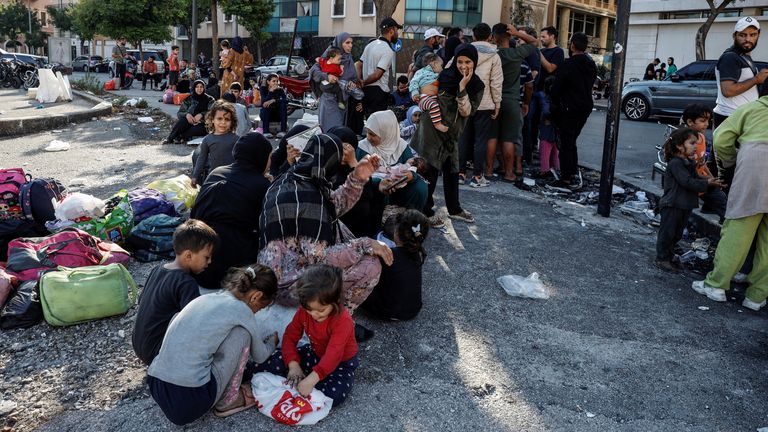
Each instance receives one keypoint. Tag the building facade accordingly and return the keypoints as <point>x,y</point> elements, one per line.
<point>662,29</point>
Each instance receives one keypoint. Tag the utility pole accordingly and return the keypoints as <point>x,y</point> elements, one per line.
<point>194,31</point>
<point>608,167</point>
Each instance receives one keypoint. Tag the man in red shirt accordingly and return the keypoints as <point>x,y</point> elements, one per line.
<point>148,72</point>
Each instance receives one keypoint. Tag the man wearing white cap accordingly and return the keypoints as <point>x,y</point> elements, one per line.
<point>738,80</point>
<point>432,39</point>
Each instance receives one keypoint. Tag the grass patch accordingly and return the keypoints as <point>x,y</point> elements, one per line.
<point>89,83</point>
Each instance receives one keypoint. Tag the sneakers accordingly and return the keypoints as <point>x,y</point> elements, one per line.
<point>740,278</point>
<point>712,293</point>
<point>749,304</point>
<point>436,222</point>
<point>479,182</point>
<point>463,216</point>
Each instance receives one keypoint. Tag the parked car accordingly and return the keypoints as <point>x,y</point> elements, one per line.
<point>160,61</point>
<point>691,84</point>
<point>90,63</point>
<point>277,64</point>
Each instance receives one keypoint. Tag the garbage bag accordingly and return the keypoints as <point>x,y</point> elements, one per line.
<point>77,205</point>
<point>283,403</point>
<point>178,190</point>
<point>23,309</point>
<point>528,287</point>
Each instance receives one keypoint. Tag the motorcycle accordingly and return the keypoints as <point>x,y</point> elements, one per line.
<point>9,76</point>
<point>299,94</point>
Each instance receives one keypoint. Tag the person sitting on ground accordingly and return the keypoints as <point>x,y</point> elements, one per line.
<point>148,73</point>
<point>191,116</point>
<point>243,120</point>
<point>402,98</point>
<point>681,187</point>
<point>329,361</point>
<point>216,148</point>
<point>331,65</point>
<point>201,363</point>
<point>697,117</point>
<point>424,87</point>
<point>170,287</point>
<point>284,155</point>
<point>398,294</point>
<point>230,201</point>
<point>237,90</point>
<point>213,89</point>
<point>410,124</point>
<point>274,103</point>
<point>183,85</point>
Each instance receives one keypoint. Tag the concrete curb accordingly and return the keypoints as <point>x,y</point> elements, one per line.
<point>705,223</point>
<point>22,125</point>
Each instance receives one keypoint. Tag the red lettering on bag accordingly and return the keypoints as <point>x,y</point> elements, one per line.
<point>290,409</point>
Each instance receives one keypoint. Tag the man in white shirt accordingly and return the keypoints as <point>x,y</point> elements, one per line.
<point>376,67</point>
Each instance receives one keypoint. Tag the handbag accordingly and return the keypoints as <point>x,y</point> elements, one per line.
<point>72,296</point>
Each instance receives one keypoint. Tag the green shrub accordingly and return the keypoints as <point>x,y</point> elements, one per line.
<point>142,104</point>
<point>89,83</point>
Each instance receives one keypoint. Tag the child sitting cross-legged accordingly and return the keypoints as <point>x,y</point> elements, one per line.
<point>424,87</point>
<point>170,286</point>
<point>329,362</point>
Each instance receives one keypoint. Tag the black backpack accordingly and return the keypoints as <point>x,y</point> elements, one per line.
<point>37,199</point>
<point>23,308</point>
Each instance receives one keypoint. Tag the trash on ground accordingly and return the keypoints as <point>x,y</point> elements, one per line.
<point>704,308</point>
<point>635,206</point>
<point>101,105</point>
<point>583,223</point>
<point>57,131</point>
<point>145,120</point>
<point>557,189</point>
<point>617,190</point>
<point>687,257</point>
<point>527,287</point>
<point>77,205</point>
<point>529,181</point>
<point>57,145</point>
<point>117,129</point>
<point>132,102</point>
<point>641,196</point>
<point>701,254</point>
<point>196,141</point>
<point>701,244</point>
<point>590,415</point>
<point>41,106</point>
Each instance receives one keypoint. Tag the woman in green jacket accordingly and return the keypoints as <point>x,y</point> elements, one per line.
<point>191,122</point>
<point>459,96</point>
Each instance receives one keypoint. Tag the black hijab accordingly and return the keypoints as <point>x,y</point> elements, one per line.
<point>279,157</point>
<point>252,150</point>
<point>346,135</point>
<point>450,77</point>
<point>298,204</point>
<point>450,47</point>
<point>203,100</point>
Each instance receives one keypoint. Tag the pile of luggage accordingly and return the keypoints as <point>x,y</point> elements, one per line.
<point>62,255</point>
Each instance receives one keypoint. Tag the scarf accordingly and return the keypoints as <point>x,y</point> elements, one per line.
<point>201,100</point>
<point>237,44</point>
<point>345,135</point>
<point>298,204</point>
<point>450,77</point>
<point>384,124</point>
<point>409,115</point>
<point>252,150</point>
<point>450,47</point>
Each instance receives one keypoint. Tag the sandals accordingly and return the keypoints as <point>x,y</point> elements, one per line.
<point>463,216</point>
<point>242,403</point>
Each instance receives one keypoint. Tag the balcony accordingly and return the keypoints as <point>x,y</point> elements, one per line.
<point>605,6</point>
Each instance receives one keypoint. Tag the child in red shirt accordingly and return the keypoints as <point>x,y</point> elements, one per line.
<point>331,65</point>
<point>329,362</point>
<point>697,117</point>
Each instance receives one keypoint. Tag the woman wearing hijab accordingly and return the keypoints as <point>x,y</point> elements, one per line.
<point>299,225</point>
<point>329,114</point>
<point>230,202</point>
<point>213,89</point>
<point>383,139</point>
<point>280,163</point>
<point>410,124</point>
<point>191,122</point>
<point>459,96</point>
<point>235,62</point>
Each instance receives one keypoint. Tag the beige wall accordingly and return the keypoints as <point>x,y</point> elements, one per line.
<point>352,22</point>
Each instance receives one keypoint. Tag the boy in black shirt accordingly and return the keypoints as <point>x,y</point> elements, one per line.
<point>170,287</point>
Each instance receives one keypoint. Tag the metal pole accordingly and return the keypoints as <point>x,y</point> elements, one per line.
<point>614,108</point>
<point>237,32</point>
<point>290,52</point>
<point>194,31</point>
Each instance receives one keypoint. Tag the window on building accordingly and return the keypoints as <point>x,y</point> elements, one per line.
<point>458,13</point>
<point>702,14</point>
<point>338,9</point>
<point>367,8</point>
<point>584,23</point>
<point>43,18</point>
<point>764,12</point>
<point>304,9</point>
<point>227,17</point>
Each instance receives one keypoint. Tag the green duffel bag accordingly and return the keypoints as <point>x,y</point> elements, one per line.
<point>74,295</point>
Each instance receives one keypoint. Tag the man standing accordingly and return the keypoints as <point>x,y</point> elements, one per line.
<point>173,68</point>
<point>650,70</point>
<point>432,39</point>
<point>510,119</point>
<point>551,57</point>
<point>375,66</point>
<point>571,106</point>
<point>119,54</point>
<point>737,80</point>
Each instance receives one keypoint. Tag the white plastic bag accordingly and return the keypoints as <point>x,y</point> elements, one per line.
<point>284,404</point>
<point>77,205</point>
<point>528,287</point>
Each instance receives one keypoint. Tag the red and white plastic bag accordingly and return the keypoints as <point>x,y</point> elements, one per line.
<point>283,403</point>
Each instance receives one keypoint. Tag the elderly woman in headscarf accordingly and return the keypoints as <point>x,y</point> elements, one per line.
<point>329,113</point>
<point>230,202</point>
<point>459,96</point>
<point>299,225</point>
<point>234,65</point>
<point>383,139</point>
<point>191,115</point>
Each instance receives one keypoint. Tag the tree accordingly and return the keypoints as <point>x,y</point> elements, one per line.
<point>701,34</point>
<point>384,8</point>
<point>254,15</point>
<point>16,20</point>
<point>214,14</point>
<point>61,18</point>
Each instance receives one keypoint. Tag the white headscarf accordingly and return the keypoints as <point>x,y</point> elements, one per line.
<point>384,125</point>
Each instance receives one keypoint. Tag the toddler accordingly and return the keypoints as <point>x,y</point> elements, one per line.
<point>216,148</point>
<point>424,87</point>
<point>681,187</point>
<point>331,64</point>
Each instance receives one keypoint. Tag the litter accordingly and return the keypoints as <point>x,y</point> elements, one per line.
<point>700,244</point>
<point>701,254</point>
<point>145,120</point>
<point>617,190</point>
<point>196,141</point>
<point>77,205</point>
<point>132,102</point>
<point>527,287</point>
<point>687,257</point>
<point>635,206</point>
<point>57,131</point>
<point>590,415</point>
<point>641,196</point>
<point>704,308</point>
<point>583,223</point>
<point>41,106</point>
<point>529,182</point>
<point>57,145</point>
<point>117,129</point>
<point>558,189</point>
